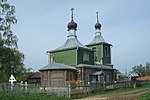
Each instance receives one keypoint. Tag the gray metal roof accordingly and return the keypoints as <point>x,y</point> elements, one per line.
<point>97,39</point>
<point>54,66</point>
<point>99,73</point>
<point>133,74</point>
<point>95,66</point>
<point>122,75</point>
<point>71,43</point>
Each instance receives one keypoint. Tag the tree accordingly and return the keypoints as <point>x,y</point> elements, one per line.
<point>11,60</point>
<point>142,70</point>
<point>138,69</point>
<point>147,68</point>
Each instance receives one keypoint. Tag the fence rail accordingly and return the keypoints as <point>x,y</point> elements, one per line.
<point>68,90</point>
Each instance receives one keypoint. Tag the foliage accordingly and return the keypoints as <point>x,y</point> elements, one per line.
<point>142,70</point>
<point>147,68</point>
<point>29,96</point>
<point>11,60</point>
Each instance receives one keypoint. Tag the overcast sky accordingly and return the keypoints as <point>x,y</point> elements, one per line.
<point>42,26</point>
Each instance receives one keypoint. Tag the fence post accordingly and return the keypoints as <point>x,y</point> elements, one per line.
<point>134,84</point>
<point>104,85</point>
<point>21,84</point>
<point>69,90</point>
<point>89,87</point>
<point>26,84</point>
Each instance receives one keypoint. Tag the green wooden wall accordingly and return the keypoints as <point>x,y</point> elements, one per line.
<point>99,53</point>
<point>67,57</point>
<point>107,59</point>
<point>80,57</point>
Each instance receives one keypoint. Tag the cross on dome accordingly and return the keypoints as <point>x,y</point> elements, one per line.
<point>72,24</point>
<point>72,13</point>
<point>97,25</point>
<point>97,17</point>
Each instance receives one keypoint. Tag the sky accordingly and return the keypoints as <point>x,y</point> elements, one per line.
<point>42,26</point>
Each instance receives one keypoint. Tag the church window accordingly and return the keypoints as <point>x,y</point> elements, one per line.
<point>95,55</point>
<point>85,56</point>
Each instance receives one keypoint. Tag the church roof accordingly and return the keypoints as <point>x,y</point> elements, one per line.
<point>36,75</point>
<point>133,74</point>
<point>97,39</point>
<point>54,66</point>
<point>95,66</point>
<point>99,73</point>
<point>71,43</point>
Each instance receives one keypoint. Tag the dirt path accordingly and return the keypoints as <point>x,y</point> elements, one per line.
<point>119,96</point>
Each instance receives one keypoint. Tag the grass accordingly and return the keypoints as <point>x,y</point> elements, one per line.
<point>113,91</point>
<point>29,96</point>
<point>119,90</point>
<point>145,96</point>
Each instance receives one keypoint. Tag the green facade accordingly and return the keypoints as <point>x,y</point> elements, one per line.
<point>73,57</point>
<point>101,52</point>
<point>107,54</point>
<point>80,57</point>
<point>67,57</point>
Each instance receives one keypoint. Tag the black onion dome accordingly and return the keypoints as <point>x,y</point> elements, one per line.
<point>72,25</point>
<point>98,25</point>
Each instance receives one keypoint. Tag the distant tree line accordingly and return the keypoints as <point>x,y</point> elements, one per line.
<point>142,70</point>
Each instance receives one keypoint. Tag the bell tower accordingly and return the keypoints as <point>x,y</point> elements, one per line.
<point>102,49</point>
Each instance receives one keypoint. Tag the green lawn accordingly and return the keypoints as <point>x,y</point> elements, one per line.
<point>145,96</point>
<point>121,90</point>
<point>113,91</point>
<point>29,96</point>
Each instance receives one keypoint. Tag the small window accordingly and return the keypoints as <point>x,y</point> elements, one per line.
<point>85,56</point>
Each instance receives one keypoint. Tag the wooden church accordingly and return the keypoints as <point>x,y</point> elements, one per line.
<point>75,63</point>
